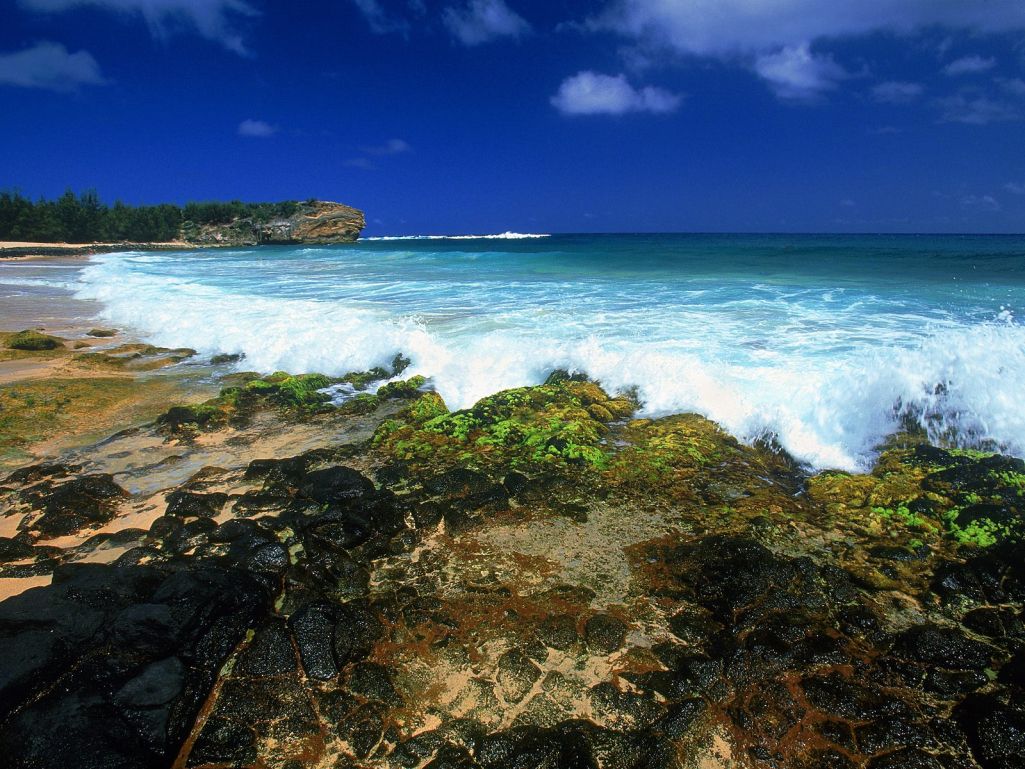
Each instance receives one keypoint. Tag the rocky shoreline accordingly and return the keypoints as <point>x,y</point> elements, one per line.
<point>314,222</point>
<point>269,579</point>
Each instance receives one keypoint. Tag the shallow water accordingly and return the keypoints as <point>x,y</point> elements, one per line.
<point>822,341</point>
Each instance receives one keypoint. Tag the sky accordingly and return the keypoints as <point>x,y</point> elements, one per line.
<point>482,116</point>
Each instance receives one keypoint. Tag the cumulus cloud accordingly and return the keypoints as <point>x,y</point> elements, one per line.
<point>591,93</point>
<point>796,73</point>
<point>480,21</point>
<point>49,66</point>
<point>390,147</point>
<point>256,129</point>
<point>729,27</point>
<point>773,37</point>
<point>897,92</point>
<point>976,109</point>
<point>969,65</point>
<point>215,20</point>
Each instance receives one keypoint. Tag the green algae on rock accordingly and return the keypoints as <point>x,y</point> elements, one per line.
<point>33,341</point>
<point>558,423</point>
<point>431,604</point>
<point>972,497</point>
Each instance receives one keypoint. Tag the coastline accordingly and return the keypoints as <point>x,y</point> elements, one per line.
<point>14,250</point>
<point>384,582</point>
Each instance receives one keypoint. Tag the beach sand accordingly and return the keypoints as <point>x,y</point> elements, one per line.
<point>58,399</point>
<point>26,250</point>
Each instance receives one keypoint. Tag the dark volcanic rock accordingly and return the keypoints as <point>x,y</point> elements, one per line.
<point>191,504</point>
<point>313,627</point>
<point>117,660</point>
<point>996,732</point>
<point>335,484</point>
<point>943,647</point>
<point>604,633</point>
<point>89,500</point>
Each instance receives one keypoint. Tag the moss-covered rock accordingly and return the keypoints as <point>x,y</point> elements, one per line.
<point>409,388</point>
<point>972,497</point>
<point>561,423</point>
<point>300,394</point>
<point>33,341</point>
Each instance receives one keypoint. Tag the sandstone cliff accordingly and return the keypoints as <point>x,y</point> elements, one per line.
<point>315,221</point>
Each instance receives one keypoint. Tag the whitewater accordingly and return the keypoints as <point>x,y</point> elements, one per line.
<point>825,344</point>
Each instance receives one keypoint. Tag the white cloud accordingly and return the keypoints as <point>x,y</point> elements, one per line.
<point>897,92</point>
<point>257,129</point>
<point>480,21</point>
<point>49,66</point>
<point>795,73</point>
<point>591,93</point>
<point>1015,188</point>
<point>981,203</point>
<point>723,28</point>
<point>390,147</point>
<point>976,109</point>
<point>969,65</point>
<point>769,35</point>
<point>379,20</point>
<point>213,19</point>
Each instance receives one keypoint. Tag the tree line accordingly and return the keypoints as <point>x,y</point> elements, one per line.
<point>84,218</point>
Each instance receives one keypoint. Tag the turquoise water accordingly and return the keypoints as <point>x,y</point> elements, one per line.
<point>823,342</point>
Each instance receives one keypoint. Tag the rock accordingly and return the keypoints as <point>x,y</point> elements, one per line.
<point>33,341</point>
<point>335,484</point>
<point>354,633</point>
<point>223,742</point>
<point>270,652</point>
<point>102,333</point>
<point>372,682</point>
<point>944,647</point>
<point>35,473</point>
<point>313,221</point>
<point>12,549</point>
<point>558,631</point>
<point>517,675</point>
<point>222,358</point>
<point>191,504</point>
<point>279,472</point>
<point>68,507</point>
<point>847,699</point>
<point>893,733</point>
<point>313,627</point>
<point>604,633</point>
<point>995,732</point>
<point>117,660</point>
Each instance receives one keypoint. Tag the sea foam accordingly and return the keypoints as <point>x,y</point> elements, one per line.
<point>828,373</point>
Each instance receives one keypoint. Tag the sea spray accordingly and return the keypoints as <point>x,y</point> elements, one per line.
<point>827,354</point>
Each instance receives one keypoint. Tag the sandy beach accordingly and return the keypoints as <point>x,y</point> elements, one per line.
<point>24,250</point>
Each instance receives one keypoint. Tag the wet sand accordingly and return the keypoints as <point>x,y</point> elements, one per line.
<point>38,292</point>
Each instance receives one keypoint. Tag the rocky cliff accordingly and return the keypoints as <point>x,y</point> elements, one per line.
<point>315,221</point>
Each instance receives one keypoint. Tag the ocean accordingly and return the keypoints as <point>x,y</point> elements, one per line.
<point>826,344</point>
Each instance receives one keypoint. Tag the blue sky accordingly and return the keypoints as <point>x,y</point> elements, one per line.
<point>457,116</point>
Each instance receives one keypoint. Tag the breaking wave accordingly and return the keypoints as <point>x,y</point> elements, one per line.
<point>828,372</point>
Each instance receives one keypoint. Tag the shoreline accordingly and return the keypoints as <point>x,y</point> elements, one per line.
<point>387,583</point>
<point>17,250</point>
